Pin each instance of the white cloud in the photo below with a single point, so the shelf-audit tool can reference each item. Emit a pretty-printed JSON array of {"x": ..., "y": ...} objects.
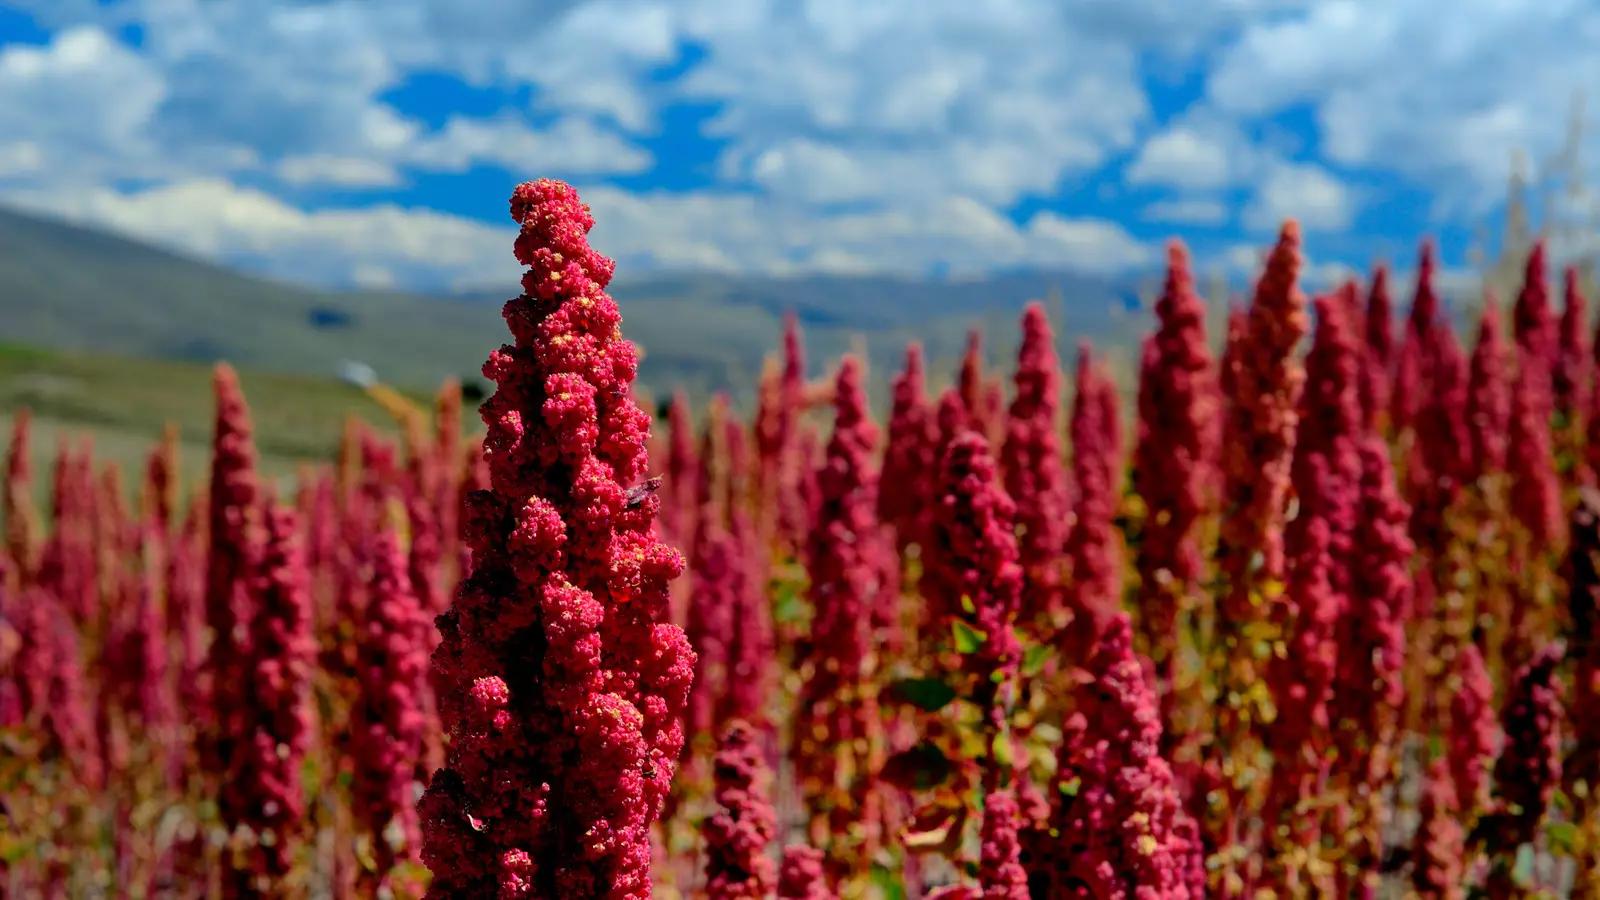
[
  {"x": 344, "y": 171},
  {"x": 80, "y": 102},
  {"x": 925, "y": 118},
  {"x": 570, "y": 146},
  {"x": 1183, "y": 158},
  {"x": 1440, "y": 98},
  {"x": 1192, "y": 211},
  {"x": 1306, "y": 193},
  {"x": 214, "y": 219}
]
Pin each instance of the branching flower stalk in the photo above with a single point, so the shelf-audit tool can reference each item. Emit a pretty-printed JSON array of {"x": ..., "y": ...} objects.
[{"x": 562, "y": 684}]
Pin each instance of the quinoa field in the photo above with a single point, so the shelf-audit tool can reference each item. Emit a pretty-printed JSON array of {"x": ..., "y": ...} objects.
[{"x": 1317, "y": 616}]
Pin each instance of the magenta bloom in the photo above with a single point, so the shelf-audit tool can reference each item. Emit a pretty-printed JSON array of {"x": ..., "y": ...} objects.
[
  {"x": 1537, "y": 333},
  {"x": 263, "y": 791},
  {"x": 235, "y": 539},
  {"x": 1440, "y": 854},
  {"x": 1474, "y": 736},
  {"x": 1094, "y": 546},
  {"x": 910, "y": 463},
  {"x": 738, "y": 834},
  {"x": 801, "y": 877},
  {"x": 793, "y": 509},
  {"x": 979, "y": 581},
  {"x": 1031, "y": 461},
  {"x": 1574, "y": 366},
  {"x": 752, "y": 650},
  {"x": 563, "y": 688},
  {"x": 677, "y": 501},
  {"x": 1326, "y": 472},
  {"x": 1414, "y": 360},
  {"x": 1118, "y": 824},
  {"x": 1432, "y": 398},
  {"x": 389, "y": 723},
  {"x": 1529, "y": 769},
  {"x": 1379, "y": 360},
  {"x": 718, "y": 575},
  {"x": 1372, "y": 636},
  {"x": 1000, "y": 872},
  {"x": 1535, "y": 488},
  {"x": 1489, "y": 393},
  {"x": 845, "y": 571},
  {"x": 1263, "y": 381},
  {"x": 969, "y": 381},
  {"x": 50, "y": 681},
  {"x": 1582, "y": 575},
  {"x": 1173, "y": 458},
  {"x": 148, "y": 657}
]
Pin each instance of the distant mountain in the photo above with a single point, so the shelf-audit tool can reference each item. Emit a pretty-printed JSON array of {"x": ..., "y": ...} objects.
[{"x": 74, "y": 288}]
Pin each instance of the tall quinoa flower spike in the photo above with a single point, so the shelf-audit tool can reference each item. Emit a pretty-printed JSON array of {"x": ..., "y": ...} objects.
[
  {"x": 1118, "y": 828},
  {"x": 1489, "y": 393},
  {"x": 263, "y": 791},
  {"x": 1262, "y": 379},
  {"x": 562, "y": 686},
  {"x": 910, "y": 466},
  {"x": 1172, "y": 462},
  {"x": 389, "y": 724},
  {"x": 738, "y": 834},
  {"x": 1574, "y": 365},
  {"x": 235, "y": 540},
  {"x": 835, "y": 710},
  {"x": 1094, "y": 546},
  {"x": 1529, "y": 769},
  {"x": 1031, "y": 462},
  {"x": 979, "y": 576},
  {"x": 16, "y": 502},
  {"x": 1376, "y": 373}
]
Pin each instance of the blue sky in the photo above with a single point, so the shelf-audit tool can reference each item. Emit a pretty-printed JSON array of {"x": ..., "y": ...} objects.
[{"x": 375, "y": 142}]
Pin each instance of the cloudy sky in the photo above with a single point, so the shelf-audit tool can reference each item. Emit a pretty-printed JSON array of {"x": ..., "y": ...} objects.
[{"x": 376, "y": 141}]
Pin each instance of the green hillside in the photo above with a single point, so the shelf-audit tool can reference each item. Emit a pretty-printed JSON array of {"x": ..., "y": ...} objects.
[{"x": 71, "y": 288}]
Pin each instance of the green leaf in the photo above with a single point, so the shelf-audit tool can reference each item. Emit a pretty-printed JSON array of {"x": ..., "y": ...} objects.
[
  {"x": 1563, "y": 836},
  {"x": 967, "y": 604},
  {"x": 789, "y": 607},
  {"x": 968, "y": 639},
  {"x": 922, "y": 768},
  {"x": 1001, "y": 750},
  {"x": 1034, "y": 659},
  {"x": 927, "y": 694},
  {"x": 888, "y": 883}
]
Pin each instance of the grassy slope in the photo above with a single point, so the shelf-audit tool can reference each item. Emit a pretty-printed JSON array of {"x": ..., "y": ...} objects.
[
  {"x": 67, "y": 287},
  {"x": 124, "y": 404}
]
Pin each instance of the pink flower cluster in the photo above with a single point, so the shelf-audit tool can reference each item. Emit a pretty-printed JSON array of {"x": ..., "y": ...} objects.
[
  {"x": 1489, "y": 394},
  {"x": 801, "y": 876},
  {"x": 1094, "y": 545},
  {"x": 843, "y": 559},
  {"x": 1379, "y": 335},
  {"x": 910, "y": 460},
  {"x": 263, "y": 790},
  {"x": 1118, "y": 829},
  {"x": 563, "y": 688},
  {"x": 1173, "y": 458},
  {"x": 975, "y": 552},
  {"x": 1031, "y": 460},
  {"x": 390, "y": 723},
  {"x": 738, "y": 833},
  {"x": 1263, "y": 382}
]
